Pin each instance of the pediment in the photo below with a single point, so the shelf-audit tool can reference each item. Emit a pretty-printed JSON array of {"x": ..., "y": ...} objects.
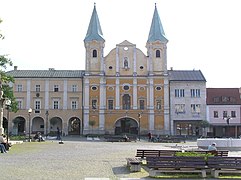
[{"x": 125, "y": 43}]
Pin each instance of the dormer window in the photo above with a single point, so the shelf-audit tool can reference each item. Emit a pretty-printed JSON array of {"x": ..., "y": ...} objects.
[
  {"x": 94, "y": 55},
  {"x": 158, "y": 54}
]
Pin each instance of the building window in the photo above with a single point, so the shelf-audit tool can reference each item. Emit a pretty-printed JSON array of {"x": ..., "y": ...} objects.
[
  {"x": 158, "y": 88},
  {"x": 126, "y": 87},
  {"x": 180, "y": 108},
  {"x": 94, "y": 53},
  {"x": 126, "y": 99},
  {"x": 195, "y": 108},
  {"x": 73, "y": 104},
  {"x": 179, "y": 93},
  {"x": 20, "y": 104},
  {"x": 37, "y": 88},
  {"x": 94, "y": 88},
  {"x": 37, "y": 106},
  {"x": 142, "y": 104},
  {"x": 19, "y": 88},
  {"x": 225, "y": 114},
  {"x": 158, "y": 53},
  {"x": 215, "y": 114},
  {"x": 110, "y": 104},
  {"x": 233, "y": 114},
  {"x": 195, "y": 93},
  {"x": 56, "y": 104},
  {"x": 56, "y": 88},
  {"x": 74, "y": 88},
  {"x": 94, "y": 104},
  {"x": 110, "y": 88},
  {"x": 142, "y": 88},
  {"x": 158, "y": 104}
]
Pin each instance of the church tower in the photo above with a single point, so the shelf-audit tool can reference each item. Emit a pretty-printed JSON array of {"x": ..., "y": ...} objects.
[
  {"x": 94, "y": 45},
  {"x": 156, "y": 46},
  {"x": 157, "y": 67},
  {"x": 94, "y": 93}
]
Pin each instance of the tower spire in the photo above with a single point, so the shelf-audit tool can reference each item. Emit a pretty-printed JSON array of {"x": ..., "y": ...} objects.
[
  {"x": 94, "y": 30},
  {"x": 156, "y": 30}
]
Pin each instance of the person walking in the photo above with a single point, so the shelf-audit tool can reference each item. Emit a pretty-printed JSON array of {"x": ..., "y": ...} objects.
[{"x": 58, "y": 134}]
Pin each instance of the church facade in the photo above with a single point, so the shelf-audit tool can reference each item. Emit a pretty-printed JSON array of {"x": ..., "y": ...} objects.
[{"x": 125, "y": 92}]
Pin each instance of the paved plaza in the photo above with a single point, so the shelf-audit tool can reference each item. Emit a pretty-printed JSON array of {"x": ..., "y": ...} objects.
[{"x": 78, "y": 158}]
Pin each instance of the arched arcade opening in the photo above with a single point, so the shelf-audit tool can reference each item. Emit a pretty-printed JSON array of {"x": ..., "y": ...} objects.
[
  {"x": 75, "y": 126},
  {"x": 126, "y": 126}
]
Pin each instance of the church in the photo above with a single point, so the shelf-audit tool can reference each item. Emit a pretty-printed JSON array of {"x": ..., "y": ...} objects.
[{"x": 124, "y": 92}]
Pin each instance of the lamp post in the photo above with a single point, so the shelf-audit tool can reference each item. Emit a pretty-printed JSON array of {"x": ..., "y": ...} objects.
[
  {"x": 46, "y": 127},
  {"x": 8, "y": 103},
  {"x": 139, "y": 131},
  {"x": 29, "y": 120},
  {"x": 228, "y": 118}
]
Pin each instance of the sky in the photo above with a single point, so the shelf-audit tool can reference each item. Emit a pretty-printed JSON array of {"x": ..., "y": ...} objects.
[{"x": 203, "y": 34}]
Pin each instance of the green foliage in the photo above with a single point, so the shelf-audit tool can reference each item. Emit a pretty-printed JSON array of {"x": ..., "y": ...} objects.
[
  {"x": 92, "y": 123},
  {"x": 17, "y": 138},
  {"x": 6, "y": 79},
  {"x": 204, "y": 124},
  {"x": 191, "y": 154}
]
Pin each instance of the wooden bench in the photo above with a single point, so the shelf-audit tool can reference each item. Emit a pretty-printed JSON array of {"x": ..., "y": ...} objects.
[
  {"x": 179, "y": 164},
  {"x": 134, "y": 164},
  {"x": 222, "y": 153},
  {"x": 143, "y": 153},
  {"x": 224, "y": 165}
]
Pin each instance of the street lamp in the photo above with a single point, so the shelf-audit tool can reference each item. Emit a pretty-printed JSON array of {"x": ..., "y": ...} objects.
[
  {"x": 228, "y": 118},
  {"x": 29, "y": 115},
  {"x": 139, "y": 131},
  {"x": 8, "y": 103},
  {"x": 46, "y": 127}
]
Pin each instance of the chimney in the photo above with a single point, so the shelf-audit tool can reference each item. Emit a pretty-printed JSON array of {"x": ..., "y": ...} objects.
[
  {"x": 15, "y": 68},
  {"x": 171, "y": 68}
]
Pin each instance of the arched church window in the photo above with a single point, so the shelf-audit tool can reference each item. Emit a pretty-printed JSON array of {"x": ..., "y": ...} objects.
[
  {"x": 126, "y": 101},
  {"x": 158, "y": 53},
  {"x": 94, "y": 53}
]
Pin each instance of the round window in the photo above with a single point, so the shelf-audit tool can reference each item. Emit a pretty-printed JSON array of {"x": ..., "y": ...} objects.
[
  {"x": 141, "y": 88},
  {"x": 125, "y": 48},
  {"x": 110, "y": 88},
  {"x": 126, "y": 87},
  {"x": 94, "y": 88},
  {"x": 158, "y": 88},
  {"x": 110, "y": 67},
  {"x": 141, "y": 67}
]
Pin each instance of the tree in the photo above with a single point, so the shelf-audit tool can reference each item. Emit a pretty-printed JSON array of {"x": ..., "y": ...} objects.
[
  {"x": 204, "y": 124},
  {"x": 6, "y": 79},
  {"x": 92, "y": 123}
]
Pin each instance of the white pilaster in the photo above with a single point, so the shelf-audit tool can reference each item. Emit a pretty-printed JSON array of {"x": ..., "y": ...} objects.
[
  {"x": 151, "y": 120},
  {"x": 134, "y": 62},
  {"x": 86, "y": 104},
  {"x": 65, "y": 99},
  {"x": 117, "y": 60},
  {"x": 117, "y": 93},
  {"x": 151, "y": 105},
  {"x": 28, "y": 100},
  {"x": 102, "y": 103},
  {"x": 168, "y": 126},
  {"x": 102, "y": 63},
  {"x": 46, "y": 96},
  {"x": 135, "y": 93}
]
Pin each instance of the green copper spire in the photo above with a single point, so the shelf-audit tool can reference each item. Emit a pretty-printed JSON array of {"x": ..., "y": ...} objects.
[
  {"x": 156, "y": 32},
  {"x": 94, "y": 31}
]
